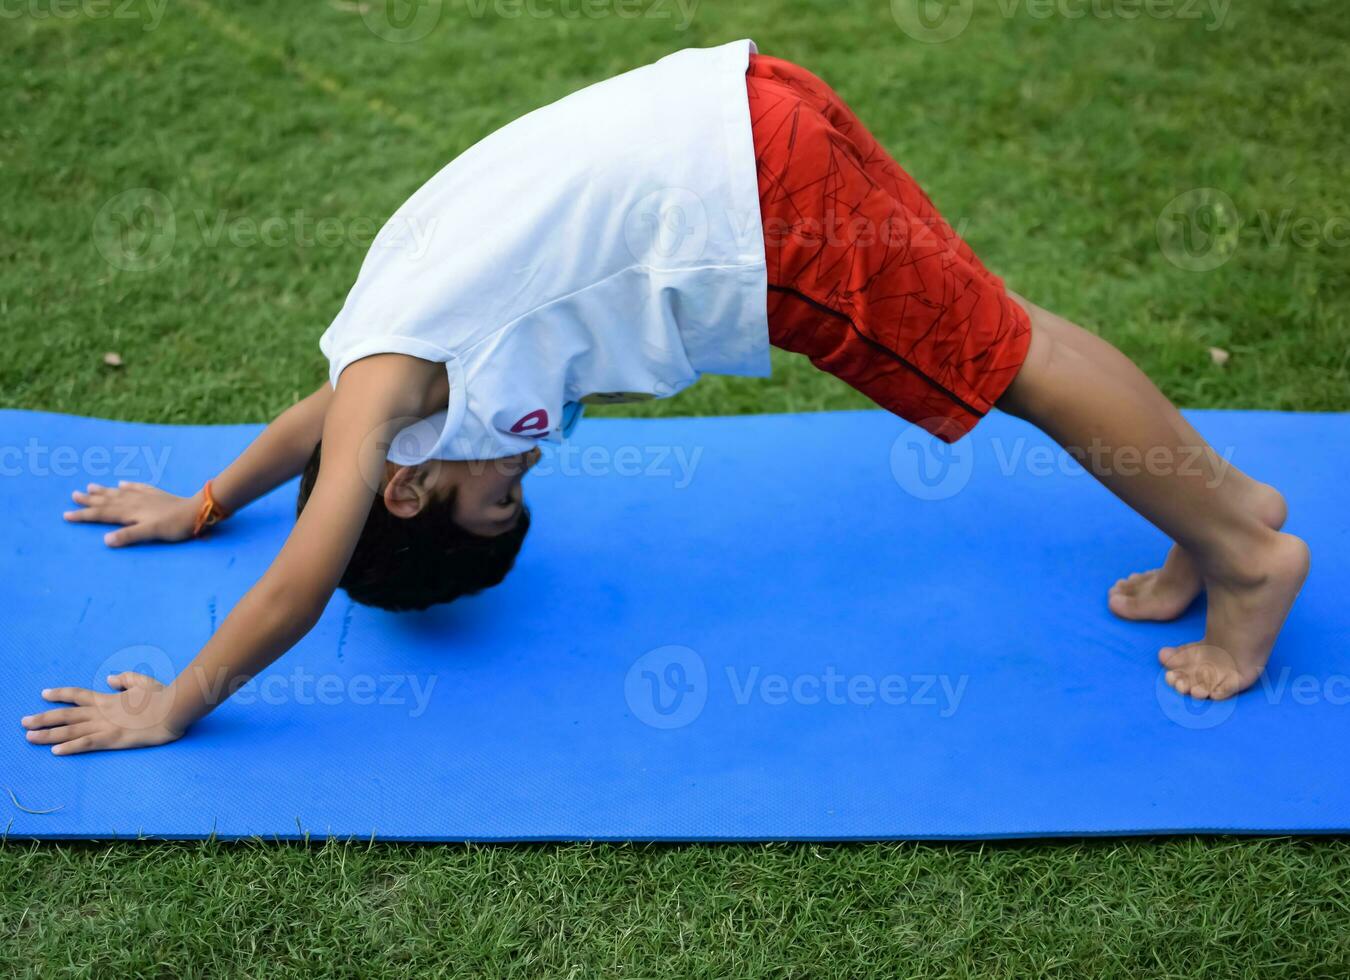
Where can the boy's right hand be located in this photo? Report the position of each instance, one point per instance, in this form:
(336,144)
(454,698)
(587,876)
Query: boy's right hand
(139,715)
(146,513)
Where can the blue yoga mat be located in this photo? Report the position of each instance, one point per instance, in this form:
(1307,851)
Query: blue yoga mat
(818,627)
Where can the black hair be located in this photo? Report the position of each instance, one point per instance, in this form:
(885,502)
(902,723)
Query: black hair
(414,562)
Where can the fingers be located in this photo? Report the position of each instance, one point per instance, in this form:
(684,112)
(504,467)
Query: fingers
(63,728)
(57,716)
(90,500)
(129,679)
(137,506)
(99,505)
(63,733)
(86,743)
(92,493)
(71,695)
(130,534)
(105,503)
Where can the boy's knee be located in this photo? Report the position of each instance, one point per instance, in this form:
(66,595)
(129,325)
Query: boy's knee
(1031,391)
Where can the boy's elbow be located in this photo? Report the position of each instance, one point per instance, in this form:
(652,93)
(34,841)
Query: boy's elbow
(285,611)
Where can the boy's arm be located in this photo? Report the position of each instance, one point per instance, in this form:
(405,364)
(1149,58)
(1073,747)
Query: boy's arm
(278,454)
(150,514)
(375,399)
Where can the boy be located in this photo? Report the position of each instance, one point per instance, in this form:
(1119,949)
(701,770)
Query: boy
(671,221)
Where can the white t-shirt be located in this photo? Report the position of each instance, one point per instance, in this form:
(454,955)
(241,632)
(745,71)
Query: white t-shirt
(605,247)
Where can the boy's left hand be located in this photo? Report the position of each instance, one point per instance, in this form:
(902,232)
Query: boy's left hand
(148,513)
(135,717)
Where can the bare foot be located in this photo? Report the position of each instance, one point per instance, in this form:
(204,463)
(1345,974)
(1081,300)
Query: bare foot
(1165,593)
(1241,624)
(1161,594)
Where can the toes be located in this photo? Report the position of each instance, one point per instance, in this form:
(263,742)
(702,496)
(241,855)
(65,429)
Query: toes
(1183,658)
(1148,596)
(1123,605)
(1127,598)
(1201,670)
(1129,585)
(1227,686)
(1179,681)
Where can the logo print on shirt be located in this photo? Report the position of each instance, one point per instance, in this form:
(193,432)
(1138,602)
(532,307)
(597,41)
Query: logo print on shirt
(534,424)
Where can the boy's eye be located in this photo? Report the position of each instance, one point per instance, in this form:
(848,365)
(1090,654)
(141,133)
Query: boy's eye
(505,501)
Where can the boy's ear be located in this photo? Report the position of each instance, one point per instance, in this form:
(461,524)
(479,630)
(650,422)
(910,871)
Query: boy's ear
(404,496)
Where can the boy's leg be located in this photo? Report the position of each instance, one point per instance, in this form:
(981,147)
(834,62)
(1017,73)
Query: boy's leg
(1167,592)
(881,293)
(910,318)
(1099,412)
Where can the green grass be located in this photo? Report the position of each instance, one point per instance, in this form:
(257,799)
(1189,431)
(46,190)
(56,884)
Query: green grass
(1054,143)
(1180,908)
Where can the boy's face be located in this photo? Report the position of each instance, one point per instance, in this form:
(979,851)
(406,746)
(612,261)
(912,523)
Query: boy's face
(487,495)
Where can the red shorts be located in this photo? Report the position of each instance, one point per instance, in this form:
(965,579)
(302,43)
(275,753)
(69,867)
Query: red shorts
(865,277)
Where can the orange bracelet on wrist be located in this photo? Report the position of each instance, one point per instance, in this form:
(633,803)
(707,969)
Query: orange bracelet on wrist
(209,513)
